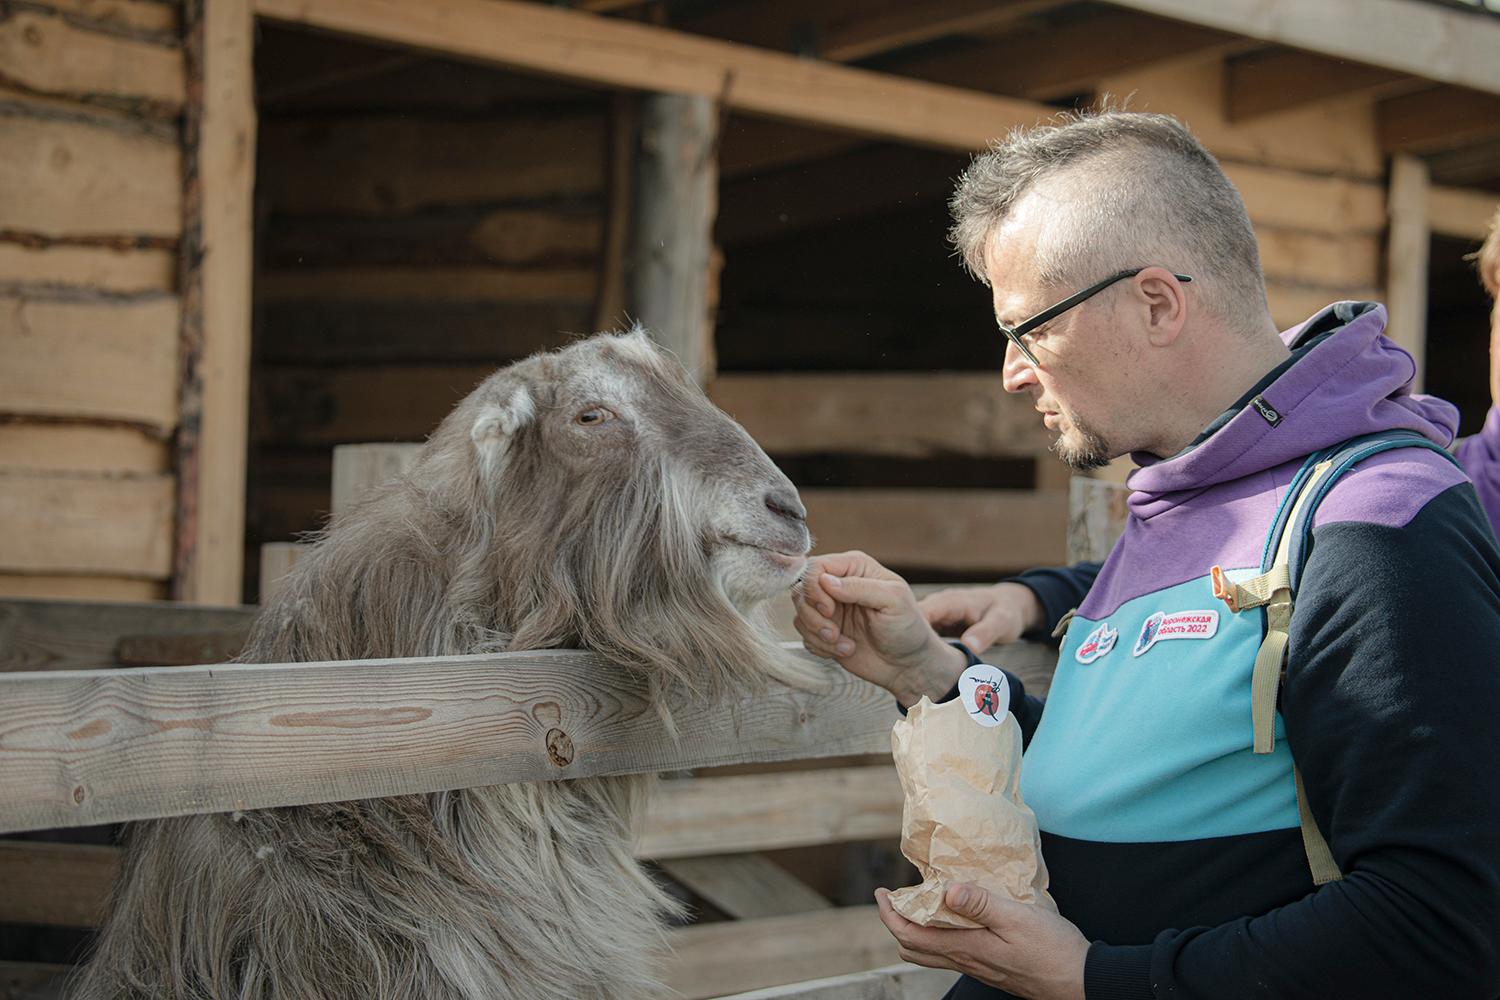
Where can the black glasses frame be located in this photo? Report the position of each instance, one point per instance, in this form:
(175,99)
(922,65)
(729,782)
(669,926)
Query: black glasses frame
(1021,329)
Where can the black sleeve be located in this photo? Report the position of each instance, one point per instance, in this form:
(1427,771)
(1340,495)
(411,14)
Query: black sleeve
(1391,705)
(1027,708)
(1059,589)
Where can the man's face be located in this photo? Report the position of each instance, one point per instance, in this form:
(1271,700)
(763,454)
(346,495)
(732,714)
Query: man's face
(1082,380)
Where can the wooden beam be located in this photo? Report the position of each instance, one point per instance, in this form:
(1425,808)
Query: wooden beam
(52,586)
(32,980)
(676,200)
(900,25)
(745,886)
(1271,80)
(1407,253)
(1051,61)
(896,982)
(62,885)
(1435,119)
(1422,39)
(1460,212)
(82,178)
(621,54)
(61,523)
(54,55)
(86,635)
(87,269)
(957,530)
(710,960)
(762,812)
(93,449)
(102,360)
(358,468)
(916,414)
(250,736)
(624,135)
(428,284)
(208,554)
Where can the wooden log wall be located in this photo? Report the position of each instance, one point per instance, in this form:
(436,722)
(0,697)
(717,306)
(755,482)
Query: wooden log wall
(91,216)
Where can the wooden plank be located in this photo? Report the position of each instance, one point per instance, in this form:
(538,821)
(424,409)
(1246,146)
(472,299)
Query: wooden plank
(85,635)
(1275,80)
(1452,46)
(250,736)
(400,164)
(32,980)
(512,236)
(676,198)
(112,361)
(63,267)
(1290,199)
(1407,249)
(1347,260)
(60,523)
(1097,514)
(615,53)
(762,812)
(359,467)
(56,884)
(1461,212)
(898,26)
(619,208)
(54,55)
(915,414)
(79,588)
(941,529)
(711,960)
(745,886)
(69,178)
(277,559)
(469,284)
(308,406)
(1321,138)
(1291,304)
(209,546)
(376,333)
(140,17)
(896,982)
(101,450)
(1435,119)
(1051,61)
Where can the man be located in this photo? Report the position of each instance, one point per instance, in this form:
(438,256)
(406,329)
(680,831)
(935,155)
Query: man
(1175,851)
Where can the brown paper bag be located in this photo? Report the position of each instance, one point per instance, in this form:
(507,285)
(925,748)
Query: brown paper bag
(964,820)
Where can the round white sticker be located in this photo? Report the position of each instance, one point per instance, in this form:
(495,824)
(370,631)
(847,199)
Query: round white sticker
(985,693)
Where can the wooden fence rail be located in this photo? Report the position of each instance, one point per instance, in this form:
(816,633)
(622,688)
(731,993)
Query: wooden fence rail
(99,746)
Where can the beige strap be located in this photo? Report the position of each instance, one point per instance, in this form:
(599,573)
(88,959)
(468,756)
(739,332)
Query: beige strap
(1319,855)
(1063,623)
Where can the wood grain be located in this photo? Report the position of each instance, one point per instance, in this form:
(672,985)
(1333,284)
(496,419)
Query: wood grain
(84,635)
(52,55)
(64,523)
(88,747)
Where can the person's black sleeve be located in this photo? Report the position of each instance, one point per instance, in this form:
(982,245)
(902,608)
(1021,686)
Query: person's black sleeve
(1060,589)
(1027,708)
(1390,703)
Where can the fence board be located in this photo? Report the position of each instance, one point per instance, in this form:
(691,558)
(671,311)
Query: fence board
(85,635)
(86,747)
(746,886)
(85,268)
(59,523)
(51,55)
(82,448)
(896,982)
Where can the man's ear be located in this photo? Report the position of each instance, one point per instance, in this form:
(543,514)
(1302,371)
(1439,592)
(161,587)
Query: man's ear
(1165,302)
(500,418)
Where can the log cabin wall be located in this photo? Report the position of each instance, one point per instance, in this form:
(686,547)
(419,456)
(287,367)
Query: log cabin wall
(91,99)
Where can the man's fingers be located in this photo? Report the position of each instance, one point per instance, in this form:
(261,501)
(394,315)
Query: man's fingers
(813,641)
(878,595)
(992,628)
(813,595)
(979,904)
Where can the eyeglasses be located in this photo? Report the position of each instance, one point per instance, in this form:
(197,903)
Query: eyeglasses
(1015,333)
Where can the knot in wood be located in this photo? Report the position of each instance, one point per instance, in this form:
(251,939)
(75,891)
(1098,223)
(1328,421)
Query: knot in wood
(79,794)
(32,35)
(559,747)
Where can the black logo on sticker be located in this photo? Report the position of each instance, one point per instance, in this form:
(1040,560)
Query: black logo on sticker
(1266,410)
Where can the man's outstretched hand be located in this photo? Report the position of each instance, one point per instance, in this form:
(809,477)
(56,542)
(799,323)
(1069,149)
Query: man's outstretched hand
(1022,949)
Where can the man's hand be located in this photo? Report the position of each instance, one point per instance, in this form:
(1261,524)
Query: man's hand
(988,616)
(1022,949)
(853,610)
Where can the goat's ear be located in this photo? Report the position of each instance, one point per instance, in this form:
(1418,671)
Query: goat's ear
(495,428)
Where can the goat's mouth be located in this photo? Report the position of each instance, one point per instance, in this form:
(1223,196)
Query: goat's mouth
(782,558)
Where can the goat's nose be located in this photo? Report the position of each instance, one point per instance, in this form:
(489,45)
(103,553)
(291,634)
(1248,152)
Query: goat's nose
(785,502)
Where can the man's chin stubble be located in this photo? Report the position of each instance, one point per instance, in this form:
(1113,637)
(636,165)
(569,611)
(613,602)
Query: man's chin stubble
(1091,453)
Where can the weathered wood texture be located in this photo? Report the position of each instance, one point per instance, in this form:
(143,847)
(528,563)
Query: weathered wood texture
(1097,513)
(64,268)
(205,739)
(714,959)
(214,388)
(676,198)
(49,54)
(897,982)
(64,523)
(745,886)
(62,885)
(358,467)
(85,635)
(624,54)
(1460,212)
(1410,239)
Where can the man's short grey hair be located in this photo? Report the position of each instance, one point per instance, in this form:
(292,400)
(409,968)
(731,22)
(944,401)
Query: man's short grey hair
(1133,189)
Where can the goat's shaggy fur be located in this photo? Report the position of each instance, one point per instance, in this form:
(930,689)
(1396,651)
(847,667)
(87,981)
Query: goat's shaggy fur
(591,498)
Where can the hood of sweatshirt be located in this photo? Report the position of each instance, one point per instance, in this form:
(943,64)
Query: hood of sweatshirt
(1344,379)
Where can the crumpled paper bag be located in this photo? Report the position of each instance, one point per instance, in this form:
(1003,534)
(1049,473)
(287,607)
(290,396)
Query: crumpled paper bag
(964,820)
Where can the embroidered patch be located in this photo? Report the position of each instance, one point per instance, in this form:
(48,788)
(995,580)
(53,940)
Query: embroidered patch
(985,693)
(1097,643)
(1178,625)
(1266,410)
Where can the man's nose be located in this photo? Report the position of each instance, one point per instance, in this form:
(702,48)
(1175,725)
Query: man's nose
(1016,373)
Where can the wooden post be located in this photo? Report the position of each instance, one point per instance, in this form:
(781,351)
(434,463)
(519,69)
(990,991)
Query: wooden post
(1406,261)
(218,180)
(676,196)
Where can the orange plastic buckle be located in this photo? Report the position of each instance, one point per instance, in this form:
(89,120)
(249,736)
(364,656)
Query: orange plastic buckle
(1223,589)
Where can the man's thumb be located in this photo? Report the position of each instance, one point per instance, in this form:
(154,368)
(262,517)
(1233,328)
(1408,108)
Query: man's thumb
(969,901)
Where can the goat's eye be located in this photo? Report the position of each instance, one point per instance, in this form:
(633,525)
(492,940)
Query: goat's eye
(594,415)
